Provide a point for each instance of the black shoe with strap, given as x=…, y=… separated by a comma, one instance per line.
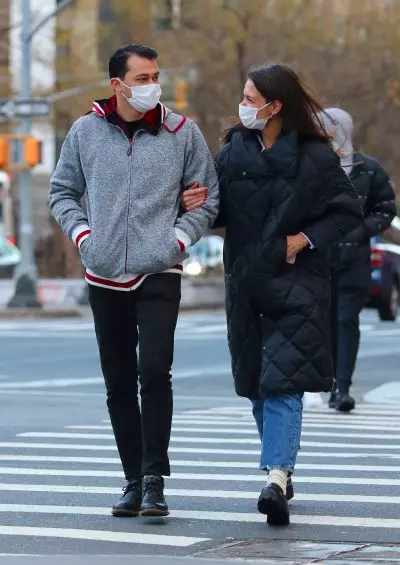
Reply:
x=153, y=503
x=129, y=504
x=274, y=505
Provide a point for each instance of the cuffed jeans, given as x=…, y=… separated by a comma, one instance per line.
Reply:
x=278, y=420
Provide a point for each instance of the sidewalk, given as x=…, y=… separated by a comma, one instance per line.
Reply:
x=272, y=552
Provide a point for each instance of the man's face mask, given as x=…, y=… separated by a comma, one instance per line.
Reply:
x=143, y=98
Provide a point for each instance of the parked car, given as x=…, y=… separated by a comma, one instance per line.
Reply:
x=206, y=257
x=384, y=292
x=10, y=256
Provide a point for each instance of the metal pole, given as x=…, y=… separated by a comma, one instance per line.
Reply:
x=26, y=277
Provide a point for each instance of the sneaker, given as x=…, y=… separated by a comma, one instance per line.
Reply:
x=333, y=399
x=273, y=504
x=129, y=503
x=153, y=503
x=289, y=489
x=345, y=403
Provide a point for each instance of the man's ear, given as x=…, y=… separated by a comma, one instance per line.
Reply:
x=116, y=85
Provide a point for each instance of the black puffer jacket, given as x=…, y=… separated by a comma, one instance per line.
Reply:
x=351, y=257
x=278, y=314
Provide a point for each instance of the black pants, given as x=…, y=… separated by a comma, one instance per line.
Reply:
x=146, y=317
x=347, y=303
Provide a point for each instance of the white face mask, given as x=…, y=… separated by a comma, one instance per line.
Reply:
x=145, y=97
x=248, y=117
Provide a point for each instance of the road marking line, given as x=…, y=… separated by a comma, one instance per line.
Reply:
x=362, y=410
x=252, y=430
x=206, y=464
x=198, y=476
x=198, y=450
x=192, y=493
x=55, y=383
x=236, y=441
x=96, y=535
x=84, y=381
x=350, y=521
x=307, y=417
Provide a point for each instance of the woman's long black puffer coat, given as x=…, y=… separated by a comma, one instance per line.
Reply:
x=278, y=313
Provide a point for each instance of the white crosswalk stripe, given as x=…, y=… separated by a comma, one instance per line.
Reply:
x=192, y=327
x=354, y=463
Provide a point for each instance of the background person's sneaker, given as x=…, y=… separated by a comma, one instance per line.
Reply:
x=333, y=399
x=345, y=403
x=153, y=503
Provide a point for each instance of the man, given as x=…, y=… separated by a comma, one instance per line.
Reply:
x=351, y=272
x=131, y=157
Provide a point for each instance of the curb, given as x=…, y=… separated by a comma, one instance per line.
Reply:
x=17, y=313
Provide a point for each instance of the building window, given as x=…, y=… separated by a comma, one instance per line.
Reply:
x=62, y=50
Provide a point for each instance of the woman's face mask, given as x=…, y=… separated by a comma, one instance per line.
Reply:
x=248, y=117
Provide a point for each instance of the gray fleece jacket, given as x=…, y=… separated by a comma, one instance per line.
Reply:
x=132, y=190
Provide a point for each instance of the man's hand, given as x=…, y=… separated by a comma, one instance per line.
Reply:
x=295, y=244
x=193, y=197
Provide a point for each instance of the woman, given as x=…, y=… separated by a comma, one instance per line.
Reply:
x=285, y=201
x=350, y=259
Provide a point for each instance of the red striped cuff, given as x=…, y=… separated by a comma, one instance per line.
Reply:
x=79, y=234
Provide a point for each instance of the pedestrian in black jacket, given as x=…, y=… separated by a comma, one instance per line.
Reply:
x=351, y=270
x=285, y=201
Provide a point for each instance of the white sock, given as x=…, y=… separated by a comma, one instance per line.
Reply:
x=278, y=477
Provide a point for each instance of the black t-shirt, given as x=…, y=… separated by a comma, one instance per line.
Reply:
x=133, y=127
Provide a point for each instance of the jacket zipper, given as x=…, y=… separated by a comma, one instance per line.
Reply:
x=130, y=154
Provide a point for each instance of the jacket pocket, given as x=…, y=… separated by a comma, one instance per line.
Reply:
x=104, y=261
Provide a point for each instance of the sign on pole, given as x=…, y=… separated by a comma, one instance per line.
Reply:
x=24, y=108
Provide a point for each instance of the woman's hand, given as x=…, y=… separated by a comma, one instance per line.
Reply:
x=295, y=244
x=193, y=197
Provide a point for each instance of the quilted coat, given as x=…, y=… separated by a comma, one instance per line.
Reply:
x=351, y=257
x=278, y=313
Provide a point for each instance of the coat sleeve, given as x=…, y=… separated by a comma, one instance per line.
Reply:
x=381, y=206
x=220, y=165
x=199, y=167
x=67, y=188
x=340, y=211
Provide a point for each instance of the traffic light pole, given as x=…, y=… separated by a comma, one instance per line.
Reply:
x=25, y=284
x=25, y=295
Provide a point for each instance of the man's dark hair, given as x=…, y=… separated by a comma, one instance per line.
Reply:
x=117, y=67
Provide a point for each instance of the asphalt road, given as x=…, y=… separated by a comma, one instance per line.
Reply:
x=59, y=471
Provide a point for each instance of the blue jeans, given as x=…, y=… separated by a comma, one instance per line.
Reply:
x=278, y=420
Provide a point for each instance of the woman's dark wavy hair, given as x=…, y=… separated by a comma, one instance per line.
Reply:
x=299, y=108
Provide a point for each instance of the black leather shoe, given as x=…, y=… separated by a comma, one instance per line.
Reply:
x=153, y=503
x=289, y=489
x=129, y=504
x=273, y=503
x=345, y=403
x=333, y=399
